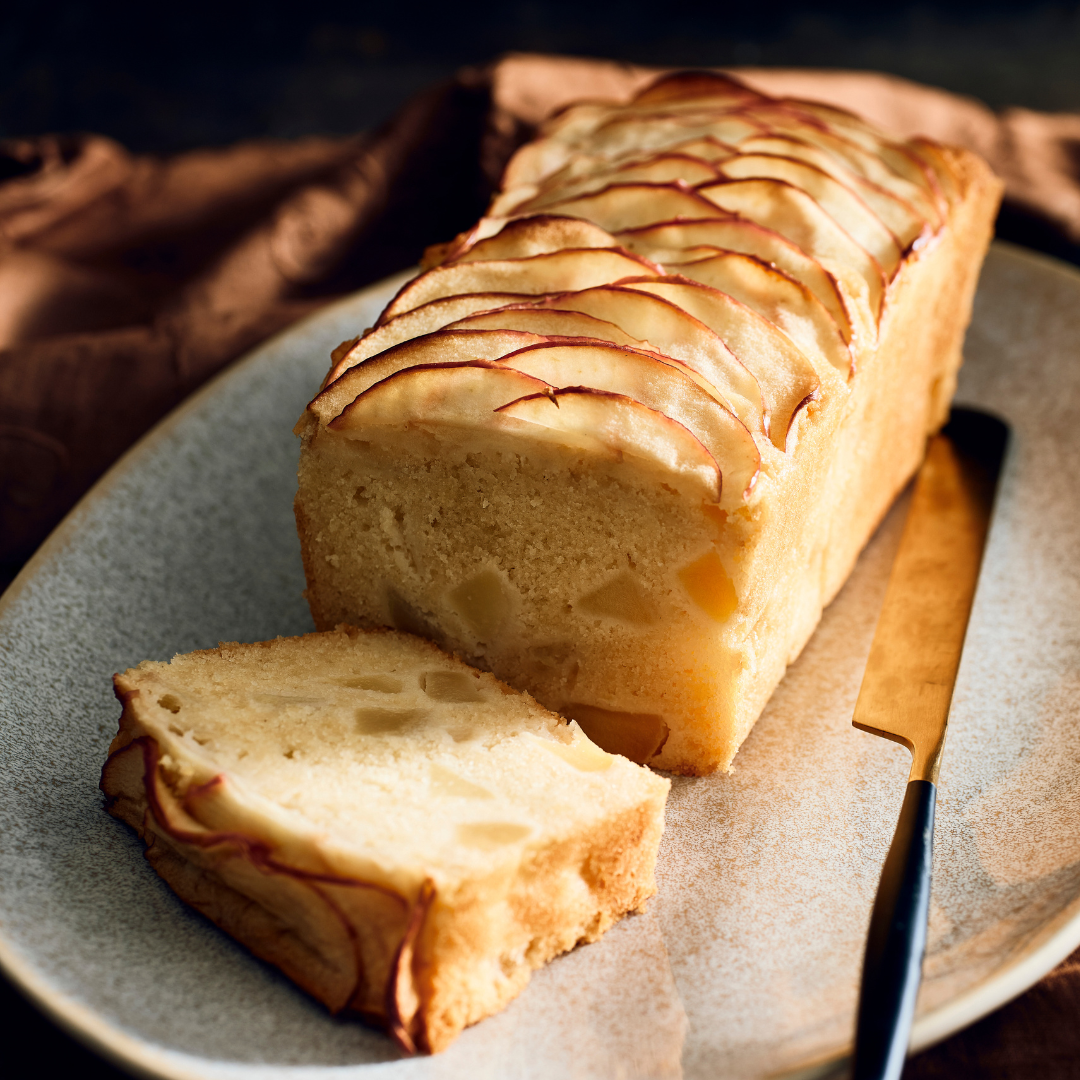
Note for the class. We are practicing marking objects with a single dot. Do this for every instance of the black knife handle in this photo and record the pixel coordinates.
(892, 966)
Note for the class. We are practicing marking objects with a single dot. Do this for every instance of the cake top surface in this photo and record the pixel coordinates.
(701, 230)
(379, 747)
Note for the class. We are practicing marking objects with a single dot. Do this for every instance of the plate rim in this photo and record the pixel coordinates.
(142, 1058)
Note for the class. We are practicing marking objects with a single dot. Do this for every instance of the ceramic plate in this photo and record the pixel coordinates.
(747, 961)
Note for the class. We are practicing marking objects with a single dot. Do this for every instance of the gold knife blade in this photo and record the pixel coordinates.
(908, 685)
(905, 696)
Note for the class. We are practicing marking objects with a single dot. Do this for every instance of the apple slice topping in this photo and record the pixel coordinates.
(537, 235)
(422, 320)
(737, 234)
(663, 385)
(897, 214)
(669, 330)
(787, 378)
(783, 301)
(616, 425)
(465, 395)
(838, 201)
(901, 159)
(661, 169)
(697, 86)
(549, 323)
(571, 268)
(440, 347)
(624, 206)
(623, 135)
(792, 213)
(918, 194)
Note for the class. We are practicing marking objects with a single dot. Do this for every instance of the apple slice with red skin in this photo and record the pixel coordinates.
(792, 213)
(465, 395)
(706, 147)
(575, 121)
(621, 136)
(749, 238)
(539, 234)
(788, 380)
(898, 215)
(696, 86)
(624, 206)
(659, 384)
(549, 323)
(640, 134)
(669, 330)
(584, 166)
(441, 347)
(919, 192)
(932, 155)
(573, 268)
(422, 320)
(838, 201)
(900, 158)
(660, 169)
(534, 161)
(615, 425)
(783, 301)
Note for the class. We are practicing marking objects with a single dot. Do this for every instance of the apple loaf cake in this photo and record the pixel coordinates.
(404, 836)
(623, 440)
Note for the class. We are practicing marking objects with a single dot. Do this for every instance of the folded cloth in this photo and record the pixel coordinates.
(126, 281)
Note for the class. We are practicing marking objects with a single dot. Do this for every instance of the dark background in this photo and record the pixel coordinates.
(163, 77)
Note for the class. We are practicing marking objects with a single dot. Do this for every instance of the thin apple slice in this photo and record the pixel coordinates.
(788, 380)
(862, 162)
(624, 206)
(838, 201)
(737, 234)
(933, 156)
(440, 347)
(785, 302)
(666, 386)
(539, 234)
(898, 157)
(620, 136)
(636, 134)
(898, 215)
(706, 147)
(615, 424)
(792, 213)
(422, 320)
(573, 268)
(549, 323)
(465, 395)
(660, 169)
(696, 86)
(536, 159)
(574, 122)
(671, 331)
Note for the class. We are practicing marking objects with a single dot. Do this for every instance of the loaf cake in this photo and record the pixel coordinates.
(404, 836)
(623, 440)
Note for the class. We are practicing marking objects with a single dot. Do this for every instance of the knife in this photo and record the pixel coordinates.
(905, 697)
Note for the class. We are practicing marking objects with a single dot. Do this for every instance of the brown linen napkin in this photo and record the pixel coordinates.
(127, 281)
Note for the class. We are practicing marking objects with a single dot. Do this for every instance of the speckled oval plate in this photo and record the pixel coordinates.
(747, 962)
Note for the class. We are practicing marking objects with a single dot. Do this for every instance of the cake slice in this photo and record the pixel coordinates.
(404, 836)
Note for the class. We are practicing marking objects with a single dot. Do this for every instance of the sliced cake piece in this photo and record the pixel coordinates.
(404, 836)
